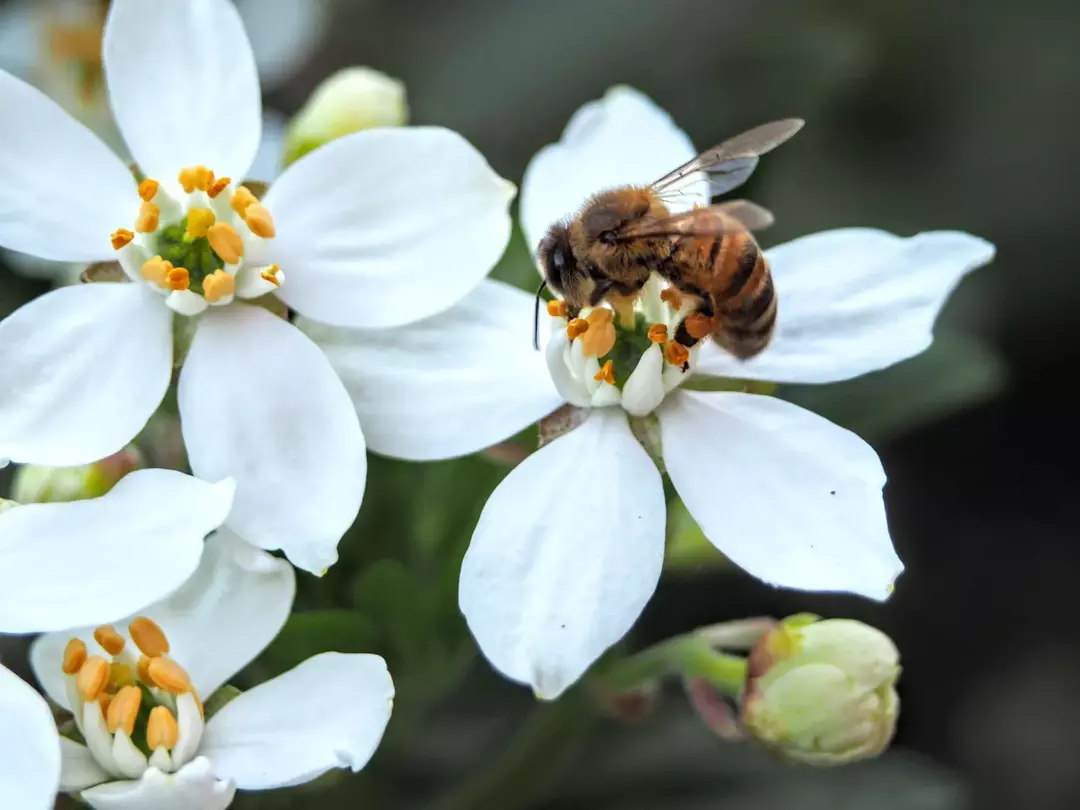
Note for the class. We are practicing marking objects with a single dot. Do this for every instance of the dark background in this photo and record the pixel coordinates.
(920, 115)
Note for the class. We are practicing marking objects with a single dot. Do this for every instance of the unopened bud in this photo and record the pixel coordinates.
(36, 484)
(351, 100)
(822, 692)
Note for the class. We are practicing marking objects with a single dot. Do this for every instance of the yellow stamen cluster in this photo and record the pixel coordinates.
(121, 237)
(698, 325)
(149, 218)
(271, 274)
(217, 187)
(260, 222)
(225, 242)
(671, 297)
(148, 189)
(557, 308)
(606, 373)
(576, 328)
(599, 338)
(241, 199)
(676, 354)
(178, 279)
(92, 677)
(199, 221)
(109, 639)
(658, 333)
(218, 285)
(124, 710)
(196, 177)
(148, 637)
(161, 729)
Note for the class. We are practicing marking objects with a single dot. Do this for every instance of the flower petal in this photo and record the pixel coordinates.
(449, 385)
(193, 787)
(29, 747)
(621, 139)
(78, 768)
(62, 192)
(149, 527)
(387, 226)
(284, 34)
(328, 712)
(852, 301)
(260, 402)
(786, 495)
(566, 553)
(81, 370)
(183, 85)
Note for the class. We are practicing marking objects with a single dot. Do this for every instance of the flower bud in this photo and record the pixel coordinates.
(351, 100)
(36, 484)
(822, 692)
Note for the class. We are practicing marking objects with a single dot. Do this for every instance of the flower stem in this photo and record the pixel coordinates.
(690, 656)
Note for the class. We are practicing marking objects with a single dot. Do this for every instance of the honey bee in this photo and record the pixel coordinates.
(609, 248)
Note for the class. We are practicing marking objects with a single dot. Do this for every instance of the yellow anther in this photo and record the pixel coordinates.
(155, 270)
(218, 285)
(148, 219)
(271, 274)
(699, 325)
(204, 178)
(658, 333)
(74, 656)
(161, 729)
(169, 675)
(104, 700)
(241, 199)
(148, 188)
(111, 641)
(120, 675)
(576, 328)
(199, 221)
(217, 187)
(225, 241)
(92, 677)
(123, 710)
(676, 353)
(121, 237)
(556, 308)
(260, 222)
(187, 179)
(670, 296)
(177, 279)
(148, 637)
(600, 337)
(606, 373)
(142, 669)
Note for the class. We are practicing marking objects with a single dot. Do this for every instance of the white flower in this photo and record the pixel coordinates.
(328, 712)
(570, 546)
(345, 235)
(29, 747)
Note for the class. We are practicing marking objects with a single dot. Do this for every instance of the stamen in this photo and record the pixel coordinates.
(676, 353)
(148, 637)
(241, 199)
(259, 220)
(199, 222)
(271, 274)
(217, 285)
(204, 178)
(142, 669)
(600, 337)
(671, 297)
(225, 242)
(156, 270)
(121, 237)
(606, 373)
(169, 675)
(699, 325)
(162, 730)
(658, 333)
(217, 187)
(576, 328)
(148, 188)
(124, 710)
(187, 180)
(109, 639)
(148, 219)
(177, 279)
(104, 700)
(74, 656)
(92, 677)
(557, 308)
(120, 675)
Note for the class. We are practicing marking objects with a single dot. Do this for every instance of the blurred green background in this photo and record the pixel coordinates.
(920, 115)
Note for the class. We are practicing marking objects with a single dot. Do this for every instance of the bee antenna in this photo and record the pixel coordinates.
(536, 315)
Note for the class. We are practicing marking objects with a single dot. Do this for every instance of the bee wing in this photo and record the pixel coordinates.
(698, 222)
(729, 164)
(753, 216)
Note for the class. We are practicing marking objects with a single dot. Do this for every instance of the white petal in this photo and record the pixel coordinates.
(328, 712)
(387, 226)
(621, 139)
(78, 768)
(81, 370)
(193, 787)
(644, 389)
(182, 85)
(149, 527)
(852, 301)
(449, 385)
(29, 747)
(62, 192)
(284, 34)
(567, 552)
(788, 496)
(129, 759)
(260, 402)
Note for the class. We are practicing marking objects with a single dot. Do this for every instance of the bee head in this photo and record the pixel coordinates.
(562, 272)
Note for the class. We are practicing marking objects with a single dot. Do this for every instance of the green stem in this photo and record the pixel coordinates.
(690, 656)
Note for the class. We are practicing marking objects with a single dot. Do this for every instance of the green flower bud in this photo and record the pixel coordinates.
(37, 484)
(351, 100)
(822, 692)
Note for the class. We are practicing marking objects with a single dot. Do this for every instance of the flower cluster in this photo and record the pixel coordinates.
(344, 307)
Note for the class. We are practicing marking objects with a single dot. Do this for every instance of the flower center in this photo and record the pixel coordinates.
(134, 712)
(197, 248)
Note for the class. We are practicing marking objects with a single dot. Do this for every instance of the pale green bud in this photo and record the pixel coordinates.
(822, 692)
(351, 100)
(36, 484)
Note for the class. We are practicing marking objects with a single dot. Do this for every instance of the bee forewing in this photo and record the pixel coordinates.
(699, 222)
(753, 216)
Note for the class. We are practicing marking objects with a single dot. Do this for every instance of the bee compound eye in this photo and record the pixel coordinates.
(607, 237)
